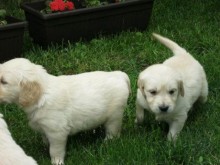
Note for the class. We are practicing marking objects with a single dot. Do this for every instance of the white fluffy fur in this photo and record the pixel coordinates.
(169, 90)
(64, 105)
(10, 152)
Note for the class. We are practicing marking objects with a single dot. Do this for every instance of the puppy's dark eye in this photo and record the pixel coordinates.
(153, 92)
(171, 92)
(3, 81)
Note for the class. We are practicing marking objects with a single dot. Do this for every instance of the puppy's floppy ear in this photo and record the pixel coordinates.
(181, 88)
(30, 93)
(141, 86)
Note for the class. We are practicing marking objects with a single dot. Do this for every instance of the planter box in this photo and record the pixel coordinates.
(86, 23)
(11, 38)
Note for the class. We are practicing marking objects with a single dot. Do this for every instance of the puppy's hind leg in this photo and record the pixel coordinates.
(113, 125)
(204, 92)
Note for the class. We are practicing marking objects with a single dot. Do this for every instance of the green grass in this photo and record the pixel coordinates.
(195, 25)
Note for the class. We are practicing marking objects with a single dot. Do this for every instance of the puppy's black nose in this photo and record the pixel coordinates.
(164, 108)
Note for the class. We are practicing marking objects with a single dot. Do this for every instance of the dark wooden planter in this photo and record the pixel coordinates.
(11, 38)
(86, 23)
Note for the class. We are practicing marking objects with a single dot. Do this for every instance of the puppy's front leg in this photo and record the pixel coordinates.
(139, 114)
(175, 128)
(57, 147)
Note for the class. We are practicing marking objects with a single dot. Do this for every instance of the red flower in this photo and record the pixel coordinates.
(54, 6)
(60, 5)
(70, 5)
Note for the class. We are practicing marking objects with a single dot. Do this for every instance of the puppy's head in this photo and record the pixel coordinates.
(161, 86)
(20, 82)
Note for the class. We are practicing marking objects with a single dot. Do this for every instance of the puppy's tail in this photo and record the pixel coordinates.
(174, 47)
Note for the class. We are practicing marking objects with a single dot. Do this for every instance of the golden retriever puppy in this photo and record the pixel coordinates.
(58, 106)
(169, 90)
(10, 152)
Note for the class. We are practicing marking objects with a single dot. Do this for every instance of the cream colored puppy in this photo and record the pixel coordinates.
(169, 90)
(65, 105)
(10, 152)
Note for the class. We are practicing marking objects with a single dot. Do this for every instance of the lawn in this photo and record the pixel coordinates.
(195, 25)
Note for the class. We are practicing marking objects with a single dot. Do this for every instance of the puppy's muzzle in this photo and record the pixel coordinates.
(163, 108)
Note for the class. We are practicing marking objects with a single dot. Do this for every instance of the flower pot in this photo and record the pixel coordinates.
(11, 38)
(86, 23)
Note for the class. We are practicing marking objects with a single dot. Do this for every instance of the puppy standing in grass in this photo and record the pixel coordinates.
(64, 105)
(169, 90)
(10, 152)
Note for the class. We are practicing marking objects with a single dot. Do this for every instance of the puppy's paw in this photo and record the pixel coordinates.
(110, 136)
(136, 121)
(57, 161)
(139, 121)
(172, 138)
